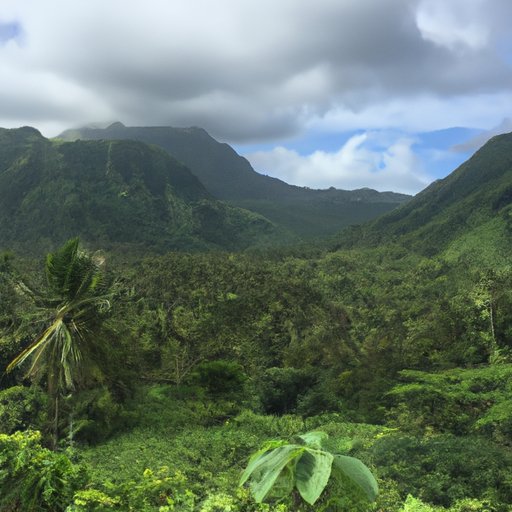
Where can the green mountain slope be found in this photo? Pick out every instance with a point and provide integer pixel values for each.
(455, 215)
(230, 177)
(112, 192)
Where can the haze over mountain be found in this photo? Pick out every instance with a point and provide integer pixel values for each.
(113, 192)
(230, 177)
(468, 212)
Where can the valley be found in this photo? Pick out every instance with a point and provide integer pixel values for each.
(159, 334)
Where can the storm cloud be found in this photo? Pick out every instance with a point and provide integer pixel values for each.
(255, 71)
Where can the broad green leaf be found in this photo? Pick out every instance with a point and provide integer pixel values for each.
(266, 468)
(284, 483)
(355, 470)
(312, 474)
(314, 439)
(257, 458)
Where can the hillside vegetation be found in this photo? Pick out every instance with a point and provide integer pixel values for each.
(226, 175)
(113, 193)
(469, 208)
(161, 381)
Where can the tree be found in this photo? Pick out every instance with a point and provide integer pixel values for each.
(78, 295)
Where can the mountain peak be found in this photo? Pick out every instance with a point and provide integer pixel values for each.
(230, 177)
(116, 126)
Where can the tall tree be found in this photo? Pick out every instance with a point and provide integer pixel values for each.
(78, 295)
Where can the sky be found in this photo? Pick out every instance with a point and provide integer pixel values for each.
(386, 94)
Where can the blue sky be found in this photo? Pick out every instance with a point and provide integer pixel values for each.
(9, 31)
(437, 154)
(387, 94)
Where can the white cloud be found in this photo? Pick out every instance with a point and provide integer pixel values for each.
(360, 161)
(250, 70)
(418, 113)
(454, 24)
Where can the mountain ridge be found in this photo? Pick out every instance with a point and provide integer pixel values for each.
(478, 192)
(113, 192)
(230, 177)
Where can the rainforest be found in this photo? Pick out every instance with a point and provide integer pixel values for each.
(162, 349)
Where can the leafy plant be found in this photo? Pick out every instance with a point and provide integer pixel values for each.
(303, 468)
(21, 408)
(33, 478)
(220, 377)
(444, 469)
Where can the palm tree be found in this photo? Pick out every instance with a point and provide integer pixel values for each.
(78, 296)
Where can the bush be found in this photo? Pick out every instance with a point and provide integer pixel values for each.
(33, 478)
(318, 400)
(220, 377)
(444, 469)
(280, 389)
(22, 408)
(156, 491)
(96, 415)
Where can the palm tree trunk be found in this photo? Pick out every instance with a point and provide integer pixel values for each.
(55, 433)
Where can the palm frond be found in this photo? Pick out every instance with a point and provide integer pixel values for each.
(39, 342)
(78, 295)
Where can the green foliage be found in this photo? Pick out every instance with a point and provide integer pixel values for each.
(280, 389)
(220, 377)
(379, 335)
(279, 469)
(228, 176)
(466, 505)
(458, 400)
(34, 479)
(444, 469)
(240, 502)
(94, 415)
(22, 408)
(414, 505)
(156, 491)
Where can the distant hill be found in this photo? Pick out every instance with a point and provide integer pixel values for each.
(113, 193)
(469, 211)
(230, 177)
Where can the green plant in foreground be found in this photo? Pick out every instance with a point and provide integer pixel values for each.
(33, 478)
(303, 469)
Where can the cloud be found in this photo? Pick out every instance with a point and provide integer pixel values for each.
(248, 70)
(479, 140)
(454, 24)
(386, 161)
(420, 113)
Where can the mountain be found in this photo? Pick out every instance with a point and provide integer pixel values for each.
(230, 177)
(113, 192)
(469, 211)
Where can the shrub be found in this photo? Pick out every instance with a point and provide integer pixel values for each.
(303, 468)
(220, 377)
(22, 408)
(95, 415)
(280, 389)
(444, 469)
(318, 400)
(156, 491)
(33, 478)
